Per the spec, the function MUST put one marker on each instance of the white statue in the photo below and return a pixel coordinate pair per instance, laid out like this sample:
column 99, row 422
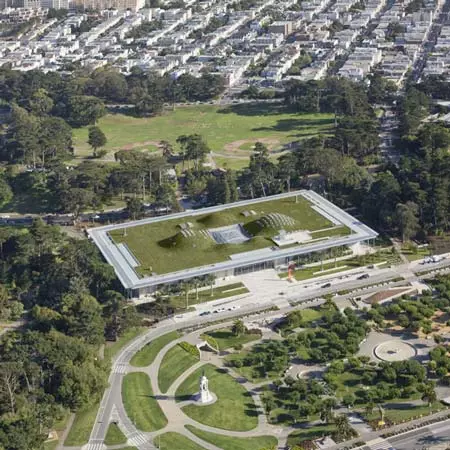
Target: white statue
column 205, row 395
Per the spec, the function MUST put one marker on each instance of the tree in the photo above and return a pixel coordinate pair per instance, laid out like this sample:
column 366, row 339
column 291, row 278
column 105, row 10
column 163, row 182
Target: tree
column 429, row 394
column 343, row 429
column 6, row 193
column 82, row 317
column 238, row 328
column 41, row 103
column 135, row 208
column 96, row 139
column 167, row 149
column 326, row 409
column 407, row 219
column 84, row 110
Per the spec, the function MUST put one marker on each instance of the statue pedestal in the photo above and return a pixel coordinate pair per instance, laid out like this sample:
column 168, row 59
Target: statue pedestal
column 203, row 400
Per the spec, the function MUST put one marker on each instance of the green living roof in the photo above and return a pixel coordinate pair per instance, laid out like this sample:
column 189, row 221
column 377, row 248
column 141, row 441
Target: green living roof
column 184, row 242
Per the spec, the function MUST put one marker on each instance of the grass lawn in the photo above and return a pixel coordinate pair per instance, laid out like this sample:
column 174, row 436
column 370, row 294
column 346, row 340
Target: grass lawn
column 309, row 433
column 114, row 436
column 418, row 254
column 175, row 362
column 82, row 426
column 147, row 354
column 348, row 383
column 175, row 441
column 219, row 126
column 112, row 349
column 234, row 408
column 306, row 273
column 226, row 339
column 161, row 247
column 234, row 443
column 204, row 295
column 399, row 411
column 51, row 445
column 140, row 404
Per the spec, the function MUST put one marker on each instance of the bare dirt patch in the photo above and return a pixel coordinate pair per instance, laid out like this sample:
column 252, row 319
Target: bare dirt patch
column 235, row 146
column 139, row 145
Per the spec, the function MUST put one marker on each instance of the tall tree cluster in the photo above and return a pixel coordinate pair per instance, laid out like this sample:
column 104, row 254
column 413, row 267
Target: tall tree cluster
column 51, row 365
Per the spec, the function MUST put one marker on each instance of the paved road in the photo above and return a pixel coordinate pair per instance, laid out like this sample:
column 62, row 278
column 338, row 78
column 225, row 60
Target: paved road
column 422, row 438
column 111, row 404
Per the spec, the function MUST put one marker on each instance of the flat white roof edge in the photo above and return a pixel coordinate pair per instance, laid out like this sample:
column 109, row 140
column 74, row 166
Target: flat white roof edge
column 130, row 280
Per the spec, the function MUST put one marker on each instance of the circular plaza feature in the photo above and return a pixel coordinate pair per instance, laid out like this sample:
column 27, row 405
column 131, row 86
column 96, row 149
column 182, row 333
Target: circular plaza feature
column 395, row 350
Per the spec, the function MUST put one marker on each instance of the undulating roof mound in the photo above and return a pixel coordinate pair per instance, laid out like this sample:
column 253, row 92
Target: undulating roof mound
column 188, row 239
column 270, row 222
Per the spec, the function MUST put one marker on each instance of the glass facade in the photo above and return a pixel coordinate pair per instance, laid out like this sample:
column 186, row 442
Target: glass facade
column 254, row 267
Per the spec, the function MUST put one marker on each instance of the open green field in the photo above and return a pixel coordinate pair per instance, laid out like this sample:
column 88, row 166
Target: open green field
column 147, row 354
column 226, row 339
column 81, row 428
column 162, row 247
column 174, row 441
column 114, row 436
column 140, row 404
column 305, row 273
column 400, row 411
column 234, row 408
column 204, row 295
column 175, row 362
column 227, row 130
column 234, row 443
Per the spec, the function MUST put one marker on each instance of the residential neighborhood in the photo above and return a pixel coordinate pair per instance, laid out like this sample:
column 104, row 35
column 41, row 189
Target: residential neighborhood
column 345, row 37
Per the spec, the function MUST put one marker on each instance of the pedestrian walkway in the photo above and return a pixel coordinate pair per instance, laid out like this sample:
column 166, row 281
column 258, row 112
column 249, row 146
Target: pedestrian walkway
column 95, row 445
column 137, row 439
column 120, row 368
column 379, row 444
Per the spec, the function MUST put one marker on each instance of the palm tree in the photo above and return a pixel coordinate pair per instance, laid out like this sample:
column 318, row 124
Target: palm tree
column 167, row 149
column 369, row 408
column 343, row 428
column 187, row 286
column 210, row 279
column 238, row 328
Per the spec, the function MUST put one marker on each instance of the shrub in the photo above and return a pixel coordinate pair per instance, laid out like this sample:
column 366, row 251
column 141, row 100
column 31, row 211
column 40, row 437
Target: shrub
column 192, row 349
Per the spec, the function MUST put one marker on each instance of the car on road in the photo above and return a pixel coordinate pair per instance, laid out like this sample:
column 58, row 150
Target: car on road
column 205, row 313
column 363, row 276
column 326, row 285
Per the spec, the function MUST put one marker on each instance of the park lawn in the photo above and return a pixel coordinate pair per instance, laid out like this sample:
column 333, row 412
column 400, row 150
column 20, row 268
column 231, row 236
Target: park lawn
column 226, row 339
column 161, row 247
column 234, row 443
column 418, row 254
column 348, row 382
column 305, row 273
column 399, row 411
column 174, row 363
column 309, row 433
column 51, row 445
column 114, row 436
column 112, row 349
column 204, row 295
column 175, row 441
column 219, row 126
column 234, row 408
column 140, row 404
column 81, row 428
column 147, row 354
